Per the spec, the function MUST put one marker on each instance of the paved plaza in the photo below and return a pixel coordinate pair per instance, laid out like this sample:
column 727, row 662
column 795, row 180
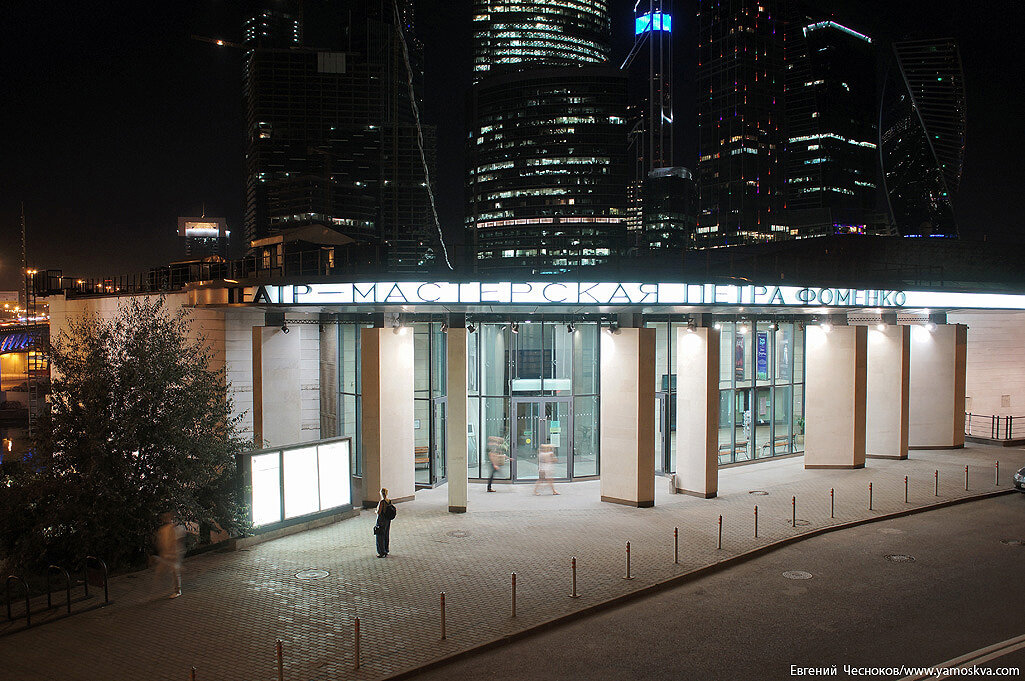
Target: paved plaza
column 236, row 604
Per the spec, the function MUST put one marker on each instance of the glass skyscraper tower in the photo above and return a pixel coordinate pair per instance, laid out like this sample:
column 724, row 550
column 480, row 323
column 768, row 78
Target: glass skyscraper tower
column 546, row 147
column 740, row 122
column 922, row 136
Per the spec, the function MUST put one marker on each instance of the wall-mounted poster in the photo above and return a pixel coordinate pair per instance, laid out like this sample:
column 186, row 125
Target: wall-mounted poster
column 762, row 364
column 740, row 344
column 784, row 353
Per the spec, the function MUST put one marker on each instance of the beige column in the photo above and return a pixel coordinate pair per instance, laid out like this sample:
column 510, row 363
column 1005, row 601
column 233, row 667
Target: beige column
column 455, row 416
column 277, row 388
column 938, row 386
column 886, row 408
column 835, row 384
column 697, row 411
column 386, row 365
column 627, row 432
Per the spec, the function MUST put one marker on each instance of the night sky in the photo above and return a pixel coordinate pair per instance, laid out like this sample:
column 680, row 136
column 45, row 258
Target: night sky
column 115, row 121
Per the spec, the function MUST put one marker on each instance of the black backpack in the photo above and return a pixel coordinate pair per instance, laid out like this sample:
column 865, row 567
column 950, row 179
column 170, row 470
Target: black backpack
column 389, row 511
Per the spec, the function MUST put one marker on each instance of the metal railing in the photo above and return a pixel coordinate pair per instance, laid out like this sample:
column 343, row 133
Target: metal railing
column 994, row 427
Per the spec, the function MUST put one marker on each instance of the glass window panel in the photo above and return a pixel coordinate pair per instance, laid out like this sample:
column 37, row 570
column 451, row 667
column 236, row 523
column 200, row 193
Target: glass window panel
column 585, row 359
column 725, row 426
column 785, row 353
column 349, row 426
column 727, row 359
column 743, row 423
column 439, row 361
column 421, row 359
column 585, row 436
column 532, row 360
column 473, row 441
column 440, row 443
column 662, row 370
column 472, row 364
column 798, row 418
column 799, row 339
column 559, row 379
column 494, row 344
column 301, row 482
column 557, row 433
column 422, row 440
column 742, row 347
column 266, row 488
column 763, row 439
column 526, row 438
column 781, row 418
column 333, row 461
column 496, row 424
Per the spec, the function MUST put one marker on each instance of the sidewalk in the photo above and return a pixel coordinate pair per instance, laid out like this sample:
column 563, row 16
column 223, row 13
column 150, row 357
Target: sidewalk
column 236, row 604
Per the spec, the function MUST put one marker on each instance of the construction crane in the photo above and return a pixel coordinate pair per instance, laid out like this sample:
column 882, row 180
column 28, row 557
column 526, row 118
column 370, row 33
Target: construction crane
column 219, row 42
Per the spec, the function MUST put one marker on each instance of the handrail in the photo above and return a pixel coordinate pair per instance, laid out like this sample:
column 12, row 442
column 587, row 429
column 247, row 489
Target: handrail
column 103, row 566
column 28, row 609
column 999, row 427
column 49, row 592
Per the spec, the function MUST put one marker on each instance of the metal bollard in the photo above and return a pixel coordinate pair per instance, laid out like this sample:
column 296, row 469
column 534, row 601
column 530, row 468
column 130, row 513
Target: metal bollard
column 937, row 476
column 628, row 561
column 281, row 662
column 756, row 521
column 192, row 675
column 870, row 496
column 905, row 489
column 573, row 565
column 514, row 594
column 996, row 474
column 676, row 545
column 719, row 545
column 793, row 504
column 443, row 616
column 831, row 503
column 355, row 649
column 966, row 478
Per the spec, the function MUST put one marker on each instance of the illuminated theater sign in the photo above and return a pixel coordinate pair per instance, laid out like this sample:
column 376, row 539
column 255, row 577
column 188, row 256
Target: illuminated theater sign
column 611, row 294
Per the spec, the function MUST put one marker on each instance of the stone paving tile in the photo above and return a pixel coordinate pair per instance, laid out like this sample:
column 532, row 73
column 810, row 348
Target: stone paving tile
column 236, row 604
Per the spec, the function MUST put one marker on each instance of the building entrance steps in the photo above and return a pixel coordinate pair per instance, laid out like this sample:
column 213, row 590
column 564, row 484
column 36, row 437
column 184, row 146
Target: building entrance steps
column 236, row 605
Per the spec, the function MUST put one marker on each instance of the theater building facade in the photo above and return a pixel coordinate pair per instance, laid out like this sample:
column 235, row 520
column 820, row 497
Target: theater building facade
column 627, row 382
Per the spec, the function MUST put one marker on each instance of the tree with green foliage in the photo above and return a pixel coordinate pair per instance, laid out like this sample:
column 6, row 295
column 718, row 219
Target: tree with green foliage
column 140, row 423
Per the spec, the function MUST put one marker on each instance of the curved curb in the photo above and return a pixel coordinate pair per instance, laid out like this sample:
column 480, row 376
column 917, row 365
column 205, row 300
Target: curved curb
column 678, row 580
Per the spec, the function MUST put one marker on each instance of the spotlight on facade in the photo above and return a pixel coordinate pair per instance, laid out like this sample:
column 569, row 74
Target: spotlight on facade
column 718, row 326
column 514, row 327
column 692, row 326
column 826, row 326
column 444, row 327
column 881, row 326
column 284, row 328
column 929, row 326
column 470, row 328
column 570, row 328
column 742, row 329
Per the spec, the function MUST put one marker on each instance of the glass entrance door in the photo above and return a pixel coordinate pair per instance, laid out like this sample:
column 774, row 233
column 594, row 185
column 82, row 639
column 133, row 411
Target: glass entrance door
column 440, row 440
column 541, row 421
column 661, row 430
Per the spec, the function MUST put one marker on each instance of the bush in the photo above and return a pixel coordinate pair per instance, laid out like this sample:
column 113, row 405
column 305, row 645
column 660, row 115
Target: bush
column 139, row 424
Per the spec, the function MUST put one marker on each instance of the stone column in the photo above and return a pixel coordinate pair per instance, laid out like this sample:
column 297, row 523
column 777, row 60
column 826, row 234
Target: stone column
column 697, row 411
column 455, row 429
column 886, row 408
column 277, row 390
column 627, row 432
column 386, row 365
column 835, row 384
column 938, row 386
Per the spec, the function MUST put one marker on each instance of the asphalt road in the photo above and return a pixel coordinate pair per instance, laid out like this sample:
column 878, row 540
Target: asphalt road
column 964, row 591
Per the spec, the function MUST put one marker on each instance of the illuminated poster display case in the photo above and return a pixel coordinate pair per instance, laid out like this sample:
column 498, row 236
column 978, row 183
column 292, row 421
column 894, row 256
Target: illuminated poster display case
column 288, row 485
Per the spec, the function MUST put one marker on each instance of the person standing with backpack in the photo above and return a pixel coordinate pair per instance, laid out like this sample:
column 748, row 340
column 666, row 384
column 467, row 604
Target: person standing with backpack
column 385, row 514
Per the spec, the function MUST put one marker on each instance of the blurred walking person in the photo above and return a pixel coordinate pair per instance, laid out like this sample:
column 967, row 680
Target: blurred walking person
column 498, row 456
column 382, row 530
column 170, row 544
column 546, row 461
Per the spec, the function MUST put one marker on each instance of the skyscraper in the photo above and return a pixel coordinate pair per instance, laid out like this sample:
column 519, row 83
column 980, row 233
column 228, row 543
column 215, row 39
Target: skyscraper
column 650, row 109
column 922, row 136
column 831, row 159
column 330, row 132
column 740, row 121
column 546, row 148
